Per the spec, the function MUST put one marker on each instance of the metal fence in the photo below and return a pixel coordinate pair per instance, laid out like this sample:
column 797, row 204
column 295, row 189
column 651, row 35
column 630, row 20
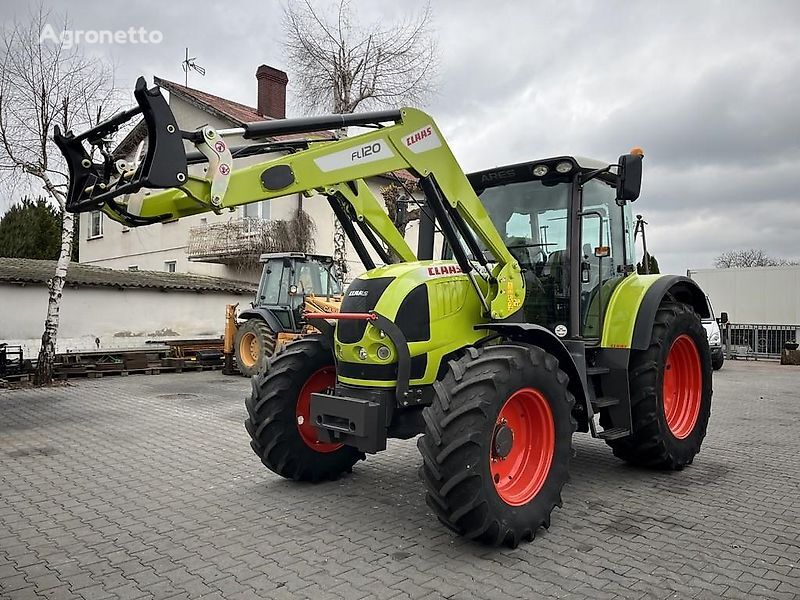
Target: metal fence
column 748, row 340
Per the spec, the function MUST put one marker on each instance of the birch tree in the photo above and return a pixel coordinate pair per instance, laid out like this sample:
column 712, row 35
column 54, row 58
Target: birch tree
column 43, row 83
column 341, row 65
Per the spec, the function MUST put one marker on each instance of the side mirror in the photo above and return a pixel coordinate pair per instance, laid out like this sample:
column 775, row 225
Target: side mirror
column 723, row 317
column 629, row 184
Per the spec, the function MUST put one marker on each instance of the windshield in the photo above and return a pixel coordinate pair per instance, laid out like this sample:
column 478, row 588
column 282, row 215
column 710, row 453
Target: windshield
column 316, row 278
column 531, row 218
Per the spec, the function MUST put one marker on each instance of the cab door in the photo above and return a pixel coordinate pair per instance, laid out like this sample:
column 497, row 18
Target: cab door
column 602, row 253
column 274, row 290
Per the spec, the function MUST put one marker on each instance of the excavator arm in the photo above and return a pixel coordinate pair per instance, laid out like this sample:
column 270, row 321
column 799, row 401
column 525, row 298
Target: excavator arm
column 404, row 139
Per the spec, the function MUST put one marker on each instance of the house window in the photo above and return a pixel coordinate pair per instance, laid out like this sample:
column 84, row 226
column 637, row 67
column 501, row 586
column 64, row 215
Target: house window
column 170, row 266
column 256, row 210
column 133, row 267
column 95, row 224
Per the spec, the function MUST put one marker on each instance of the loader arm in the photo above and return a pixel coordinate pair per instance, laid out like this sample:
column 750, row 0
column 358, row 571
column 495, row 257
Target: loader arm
column 336, row 169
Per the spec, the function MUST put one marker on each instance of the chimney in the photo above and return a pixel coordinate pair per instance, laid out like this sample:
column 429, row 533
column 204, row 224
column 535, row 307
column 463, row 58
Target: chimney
column 271, row 92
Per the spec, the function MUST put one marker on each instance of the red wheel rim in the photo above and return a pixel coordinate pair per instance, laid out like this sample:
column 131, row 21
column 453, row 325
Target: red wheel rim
column 321, row 380
column 683, row 386
column 520, row 462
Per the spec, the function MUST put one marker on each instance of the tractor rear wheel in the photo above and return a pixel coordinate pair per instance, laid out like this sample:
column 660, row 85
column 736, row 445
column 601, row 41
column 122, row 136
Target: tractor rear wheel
column 281, row 432
column 670, row 385
column 254, row 344
column 497, row 443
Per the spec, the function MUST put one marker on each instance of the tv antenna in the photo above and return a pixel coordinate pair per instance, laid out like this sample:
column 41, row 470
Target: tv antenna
column 187, row 64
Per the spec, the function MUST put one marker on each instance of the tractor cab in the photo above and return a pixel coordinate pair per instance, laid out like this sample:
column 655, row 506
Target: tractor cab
column 565, row 222
column 290, row 279
column 292, row 283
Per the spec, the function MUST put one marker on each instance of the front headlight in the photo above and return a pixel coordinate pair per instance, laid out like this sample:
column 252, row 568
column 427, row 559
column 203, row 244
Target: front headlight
column 714, row 339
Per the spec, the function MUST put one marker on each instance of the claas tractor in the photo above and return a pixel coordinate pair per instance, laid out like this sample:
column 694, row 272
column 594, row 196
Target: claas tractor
column 291, row 284
column 530, row 325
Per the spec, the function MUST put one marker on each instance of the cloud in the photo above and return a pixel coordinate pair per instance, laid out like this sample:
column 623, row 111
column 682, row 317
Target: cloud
column 709, row 89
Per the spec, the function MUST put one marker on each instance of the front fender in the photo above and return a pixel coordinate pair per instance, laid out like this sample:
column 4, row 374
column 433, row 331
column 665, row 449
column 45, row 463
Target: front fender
column 548, row 341
column 265, row 315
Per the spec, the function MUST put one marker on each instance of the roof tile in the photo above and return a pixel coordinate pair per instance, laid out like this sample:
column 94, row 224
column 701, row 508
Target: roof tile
column 26, row 270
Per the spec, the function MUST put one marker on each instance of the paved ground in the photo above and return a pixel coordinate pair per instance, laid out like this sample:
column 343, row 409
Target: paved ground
column 146, row 487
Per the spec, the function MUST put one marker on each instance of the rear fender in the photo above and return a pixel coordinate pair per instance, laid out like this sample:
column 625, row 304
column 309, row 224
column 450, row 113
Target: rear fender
column 632, row 307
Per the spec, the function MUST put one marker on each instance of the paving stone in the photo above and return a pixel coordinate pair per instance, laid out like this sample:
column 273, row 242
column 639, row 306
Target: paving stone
column 150, row 490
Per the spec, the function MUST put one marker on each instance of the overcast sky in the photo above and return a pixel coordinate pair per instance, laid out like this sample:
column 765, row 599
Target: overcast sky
column 710, row 90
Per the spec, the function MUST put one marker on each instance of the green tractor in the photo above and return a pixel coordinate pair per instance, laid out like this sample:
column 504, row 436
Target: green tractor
column 532, row 324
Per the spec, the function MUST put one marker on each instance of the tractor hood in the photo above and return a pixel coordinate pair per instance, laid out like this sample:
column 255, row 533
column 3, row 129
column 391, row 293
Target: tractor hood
column 431, row 302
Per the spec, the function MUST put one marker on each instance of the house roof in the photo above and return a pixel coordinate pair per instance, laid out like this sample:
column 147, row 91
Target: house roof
column 29, row 271
column 235, row 112
column 216, row 105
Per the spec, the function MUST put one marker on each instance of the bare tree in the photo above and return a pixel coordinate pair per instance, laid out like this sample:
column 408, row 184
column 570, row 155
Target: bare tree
column 44, row 83
column 341, row 65
column 401, row 207
column 751, row 257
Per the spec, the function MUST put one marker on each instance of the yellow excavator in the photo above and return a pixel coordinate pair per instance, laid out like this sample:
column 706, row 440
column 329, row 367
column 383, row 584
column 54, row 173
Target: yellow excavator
column 292, row 284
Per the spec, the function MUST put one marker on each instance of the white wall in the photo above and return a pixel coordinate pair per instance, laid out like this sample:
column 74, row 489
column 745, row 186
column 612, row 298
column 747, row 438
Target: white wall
column 767, row 295
column 108, row 313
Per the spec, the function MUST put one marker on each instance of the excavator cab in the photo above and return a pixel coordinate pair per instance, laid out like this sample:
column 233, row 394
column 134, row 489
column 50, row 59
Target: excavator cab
column 292, row 283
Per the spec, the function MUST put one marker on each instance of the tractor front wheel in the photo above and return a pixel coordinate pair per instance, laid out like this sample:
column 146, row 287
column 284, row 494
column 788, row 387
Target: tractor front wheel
column 670, row 385
column 497, row 443
column 254, row 344
column 278, row 414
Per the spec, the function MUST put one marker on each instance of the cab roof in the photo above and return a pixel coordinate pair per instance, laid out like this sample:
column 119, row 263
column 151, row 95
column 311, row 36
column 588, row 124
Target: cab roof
column 297, row 255
column 519, row 172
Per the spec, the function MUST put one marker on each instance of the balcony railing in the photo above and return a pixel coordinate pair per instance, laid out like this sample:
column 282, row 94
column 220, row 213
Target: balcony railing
column 242, row 241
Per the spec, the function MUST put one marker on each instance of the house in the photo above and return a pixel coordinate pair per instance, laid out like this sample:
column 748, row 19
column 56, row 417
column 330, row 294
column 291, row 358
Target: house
column 183, row 246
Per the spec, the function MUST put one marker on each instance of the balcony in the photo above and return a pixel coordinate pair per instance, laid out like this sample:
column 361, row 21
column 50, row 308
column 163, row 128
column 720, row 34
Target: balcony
column 240, row 242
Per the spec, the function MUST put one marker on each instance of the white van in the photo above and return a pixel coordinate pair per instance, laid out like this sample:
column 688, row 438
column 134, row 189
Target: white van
column 714, row 338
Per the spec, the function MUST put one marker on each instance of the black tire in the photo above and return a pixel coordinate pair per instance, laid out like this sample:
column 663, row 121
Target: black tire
column 273, row 423
column 253, row 346
column 717, row 360
column 652, row 443
column 460, row 430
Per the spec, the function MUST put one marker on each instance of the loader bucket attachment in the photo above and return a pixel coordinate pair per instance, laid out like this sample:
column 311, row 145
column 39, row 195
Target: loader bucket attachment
column 96, row 183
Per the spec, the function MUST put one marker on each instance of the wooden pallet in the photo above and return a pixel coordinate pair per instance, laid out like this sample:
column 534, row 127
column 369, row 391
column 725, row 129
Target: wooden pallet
column 178, row 357
column 153, row 369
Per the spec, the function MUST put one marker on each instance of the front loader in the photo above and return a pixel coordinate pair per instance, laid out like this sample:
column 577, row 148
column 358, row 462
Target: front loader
column 530, row 326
